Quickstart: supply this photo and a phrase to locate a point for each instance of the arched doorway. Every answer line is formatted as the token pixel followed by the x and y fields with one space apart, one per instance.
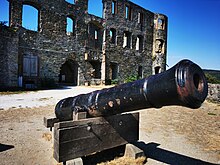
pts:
pixel 69 73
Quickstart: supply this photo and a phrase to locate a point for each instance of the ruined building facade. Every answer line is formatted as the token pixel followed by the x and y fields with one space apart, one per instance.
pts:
pixel 127 40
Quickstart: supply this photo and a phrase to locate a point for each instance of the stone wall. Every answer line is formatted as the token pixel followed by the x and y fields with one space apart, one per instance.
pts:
pixel 8 57
pixel 214 92
pixel 119 45
pixel 130 19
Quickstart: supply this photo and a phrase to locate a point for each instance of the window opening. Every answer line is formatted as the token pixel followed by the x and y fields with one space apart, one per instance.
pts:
pixel 127 40
pixel 96 35
pixel 30 13
pixel 139 43
pixel 71 1
pixel 113 7
pixel 70 27
pixel 96 71
pixel 157 70
pixel 140 72
pixel 140 17
pixel 113 71
pixel 160 24
pixel 159 46
pixel 112 36
pixel 4 8
pixel 128 13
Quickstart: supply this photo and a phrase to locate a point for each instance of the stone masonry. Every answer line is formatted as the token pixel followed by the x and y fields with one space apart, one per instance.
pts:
pixel 214 93
pixel 127 41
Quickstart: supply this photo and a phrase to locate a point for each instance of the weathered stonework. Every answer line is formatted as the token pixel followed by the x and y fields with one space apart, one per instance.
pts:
pixel 214 92
pixel 128 40
pixel 8 56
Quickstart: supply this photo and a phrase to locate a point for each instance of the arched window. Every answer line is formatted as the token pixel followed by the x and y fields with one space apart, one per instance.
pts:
pixel 30 18
pixel 71 1
pixel 4 8
pixel 70 27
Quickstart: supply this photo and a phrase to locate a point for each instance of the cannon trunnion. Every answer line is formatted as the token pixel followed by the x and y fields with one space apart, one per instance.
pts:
pixel 184 84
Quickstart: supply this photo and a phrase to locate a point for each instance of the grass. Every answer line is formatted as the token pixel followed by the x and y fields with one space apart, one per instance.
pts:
pixel 125 161
pixel 213 114
pixel 12 92
pixel 15 90
pixel 45 98
pixel 47 136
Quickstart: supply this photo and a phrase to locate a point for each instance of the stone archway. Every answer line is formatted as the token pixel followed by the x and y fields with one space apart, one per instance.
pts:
pixel 69 73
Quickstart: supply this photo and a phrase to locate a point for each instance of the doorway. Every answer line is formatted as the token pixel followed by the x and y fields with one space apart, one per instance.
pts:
pixel 69 73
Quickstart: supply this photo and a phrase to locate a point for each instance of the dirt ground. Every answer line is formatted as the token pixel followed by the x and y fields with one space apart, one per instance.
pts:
pixel 170 135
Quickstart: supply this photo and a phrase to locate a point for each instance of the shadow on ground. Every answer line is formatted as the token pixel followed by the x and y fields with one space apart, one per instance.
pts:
pixel 152 151
pixel 4 147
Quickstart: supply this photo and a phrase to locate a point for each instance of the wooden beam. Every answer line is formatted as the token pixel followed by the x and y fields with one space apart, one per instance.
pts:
pixel 49 122
pixel 75 139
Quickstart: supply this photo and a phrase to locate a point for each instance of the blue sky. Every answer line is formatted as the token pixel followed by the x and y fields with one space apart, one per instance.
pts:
pixel 193 28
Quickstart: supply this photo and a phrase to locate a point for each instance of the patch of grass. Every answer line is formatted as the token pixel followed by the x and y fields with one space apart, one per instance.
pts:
pixel 15 90
pixel 131 78
pixel 12 92
pixel 45 98
pixel 47 136
pixel 125 161
pixel 213 114
pixel 114 82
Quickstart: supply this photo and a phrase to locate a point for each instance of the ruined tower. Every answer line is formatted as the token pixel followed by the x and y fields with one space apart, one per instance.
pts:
pixel 159 54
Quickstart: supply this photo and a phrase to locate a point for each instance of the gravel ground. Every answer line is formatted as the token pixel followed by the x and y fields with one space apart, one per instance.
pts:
pixel 40 98
pixel 170 135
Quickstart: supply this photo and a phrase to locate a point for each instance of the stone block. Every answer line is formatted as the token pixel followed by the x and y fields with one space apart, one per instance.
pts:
pixel 77 161
pixel 133 151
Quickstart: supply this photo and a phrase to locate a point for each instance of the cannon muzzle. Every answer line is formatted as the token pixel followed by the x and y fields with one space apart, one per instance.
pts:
pixel 184 84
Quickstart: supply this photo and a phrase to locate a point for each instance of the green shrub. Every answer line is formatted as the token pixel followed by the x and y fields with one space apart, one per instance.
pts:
pixel 131 78
pixel 212 79
pixel 114 82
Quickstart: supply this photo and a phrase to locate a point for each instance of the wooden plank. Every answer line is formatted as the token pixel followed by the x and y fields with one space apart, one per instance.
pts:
pixel 79 115
pixel 88 136
pixel 49 122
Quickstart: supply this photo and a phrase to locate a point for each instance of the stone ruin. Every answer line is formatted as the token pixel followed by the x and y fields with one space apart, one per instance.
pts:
pixel 127 40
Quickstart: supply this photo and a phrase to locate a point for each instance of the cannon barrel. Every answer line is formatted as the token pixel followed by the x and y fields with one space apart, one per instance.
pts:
pixel 184 84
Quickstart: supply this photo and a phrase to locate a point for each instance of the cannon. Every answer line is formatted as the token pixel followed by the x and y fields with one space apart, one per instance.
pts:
pixel 94 122
pixel 184 84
